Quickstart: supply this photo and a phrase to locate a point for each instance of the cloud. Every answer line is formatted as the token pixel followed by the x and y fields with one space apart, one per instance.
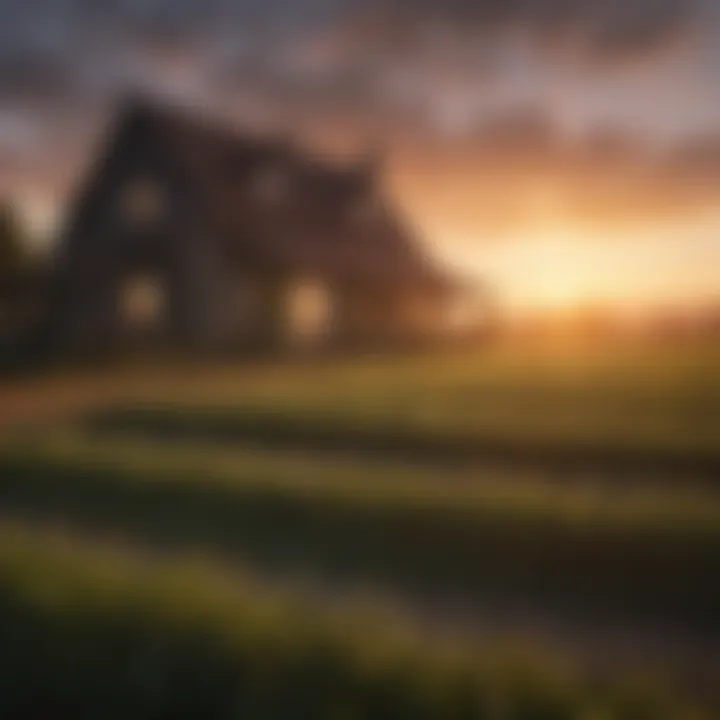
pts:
pixel 30 79
pixel 43 43
pixel 518 172
pixel 697 158
pixel 434 60
pixel 424 76
pixel 602 30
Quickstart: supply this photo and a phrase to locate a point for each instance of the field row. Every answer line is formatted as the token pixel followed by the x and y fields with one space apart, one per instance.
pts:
pixel 623 447
pixel 86 627
pixel 204 546
pixel 650 553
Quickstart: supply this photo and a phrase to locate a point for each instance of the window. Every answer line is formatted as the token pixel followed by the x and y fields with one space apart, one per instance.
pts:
pixel 142 302
pixel 309 310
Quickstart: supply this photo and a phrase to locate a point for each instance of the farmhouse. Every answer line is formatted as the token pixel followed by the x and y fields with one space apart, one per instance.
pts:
pixel 189 235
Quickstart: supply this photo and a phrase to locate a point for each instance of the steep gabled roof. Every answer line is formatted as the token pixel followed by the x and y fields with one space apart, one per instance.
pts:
pixel 320 217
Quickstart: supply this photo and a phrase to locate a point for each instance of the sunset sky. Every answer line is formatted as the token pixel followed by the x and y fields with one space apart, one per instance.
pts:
pixel 567 150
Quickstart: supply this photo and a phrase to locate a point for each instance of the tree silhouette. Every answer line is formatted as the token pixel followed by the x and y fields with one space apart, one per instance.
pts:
pixel 13 245
pixel 20 286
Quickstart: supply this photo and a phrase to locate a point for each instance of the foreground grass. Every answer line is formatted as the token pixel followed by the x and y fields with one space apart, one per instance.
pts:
pixel 94 631
pixel 652 551
pixel 91 631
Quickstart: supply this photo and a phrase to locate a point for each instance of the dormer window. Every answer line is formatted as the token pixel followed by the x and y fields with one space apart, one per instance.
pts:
pixel 143 202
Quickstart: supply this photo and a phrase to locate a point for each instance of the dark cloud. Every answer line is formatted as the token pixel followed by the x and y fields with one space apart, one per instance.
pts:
pixel 697 158
pixel 36 78
pixel 41 39
pixel 418 75
pixel 596 29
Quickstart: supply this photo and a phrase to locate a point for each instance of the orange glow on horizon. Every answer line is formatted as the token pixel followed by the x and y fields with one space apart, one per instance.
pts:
pixel 571 269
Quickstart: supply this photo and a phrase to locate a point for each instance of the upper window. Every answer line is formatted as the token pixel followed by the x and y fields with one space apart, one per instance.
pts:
pixel 143 202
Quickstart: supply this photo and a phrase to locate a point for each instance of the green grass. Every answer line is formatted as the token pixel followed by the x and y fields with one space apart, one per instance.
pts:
pixel 587 499
pixel 649 411
pixel 651 551
pixel 662 400
pixel 602 503
pixel 90 630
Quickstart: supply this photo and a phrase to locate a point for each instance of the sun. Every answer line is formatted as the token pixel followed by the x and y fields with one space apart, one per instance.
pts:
pixel 561 289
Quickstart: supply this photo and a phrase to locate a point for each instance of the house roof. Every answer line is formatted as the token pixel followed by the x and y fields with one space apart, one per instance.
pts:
pixel 270 202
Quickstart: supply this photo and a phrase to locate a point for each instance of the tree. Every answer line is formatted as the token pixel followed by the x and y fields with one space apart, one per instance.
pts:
pixel 19 286
pixel 13 246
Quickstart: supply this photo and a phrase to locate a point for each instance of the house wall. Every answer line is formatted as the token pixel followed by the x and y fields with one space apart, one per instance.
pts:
pixel 209 303
pixel 246 309
pixel 107 244
pixel 374 315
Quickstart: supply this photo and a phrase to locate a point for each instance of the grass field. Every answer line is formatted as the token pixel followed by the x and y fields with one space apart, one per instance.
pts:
pixel 571 491
pixel 182 639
